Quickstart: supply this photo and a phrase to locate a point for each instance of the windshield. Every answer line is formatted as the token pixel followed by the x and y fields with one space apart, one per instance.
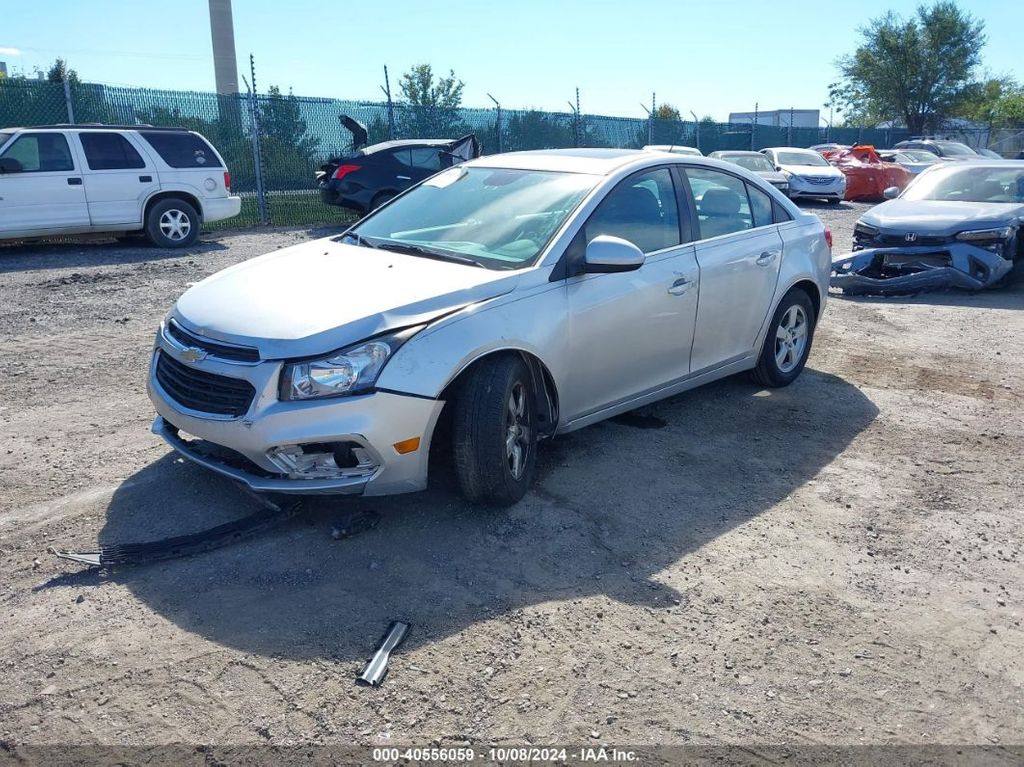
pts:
pixel 801 158
pixel 955 149
pixel 963 182
pixel 920 155
pixel 494 217
pixel 754 162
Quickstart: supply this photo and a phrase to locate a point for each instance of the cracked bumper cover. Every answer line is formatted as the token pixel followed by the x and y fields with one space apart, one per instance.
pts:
pixel 954 265
pixel 248 448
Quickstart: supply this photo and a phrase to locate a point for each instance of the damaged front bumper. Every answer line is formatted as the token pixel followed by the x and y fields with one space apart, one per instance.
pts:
pixel 911 269
pixel 376 443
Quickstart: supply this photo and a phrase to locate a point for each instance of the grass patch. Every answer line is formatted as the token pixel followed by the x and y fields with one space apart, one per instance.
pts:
pixel 297 208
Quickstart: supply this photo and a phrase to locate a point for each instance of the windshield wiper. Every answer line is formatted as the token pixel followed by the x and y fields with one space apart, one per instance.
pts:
pixel 360 240
pixel 420 250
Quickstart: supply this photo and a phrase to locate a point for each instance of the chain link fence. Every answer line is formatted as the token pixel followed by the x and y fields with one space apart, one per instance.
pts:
pixel 273 143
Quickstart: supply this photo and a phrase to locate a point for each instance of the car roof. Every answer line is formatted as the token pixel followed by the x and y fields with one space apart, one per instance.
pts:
pixel 406 142
pixel 100 126
pixel 788 149
pixel 599 162
pixel 735 153
pixel 595 161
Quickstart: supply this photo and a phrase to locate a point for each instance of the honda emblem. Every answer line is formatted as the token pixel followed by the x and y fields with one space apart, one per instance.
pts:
pixel 910 237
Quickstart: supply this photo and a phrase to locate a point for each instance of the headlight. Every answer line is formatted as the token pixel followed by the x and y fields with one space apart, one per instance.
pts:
pixel 999 233
pixel 348 371
pixel 863 230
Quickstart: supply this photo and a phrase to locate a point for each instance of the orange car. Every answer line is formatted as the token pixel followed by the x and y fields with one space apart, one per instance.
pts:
pixel 867 174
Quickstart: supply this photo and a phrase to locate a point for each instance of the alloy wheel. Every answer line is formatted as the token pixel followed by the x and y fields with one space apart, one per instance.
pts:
pixel 517 430
pixel 791 339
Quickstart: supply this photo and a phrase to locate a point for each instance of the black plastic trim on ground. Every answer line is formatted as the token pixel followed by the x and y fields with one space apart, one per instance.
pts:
pixel 185 545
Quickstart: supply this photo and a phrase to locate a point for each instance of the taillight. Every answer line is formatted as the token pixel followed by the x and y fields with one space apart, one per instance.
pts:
pixel 344 170
pixel 828 238
pixel 227 180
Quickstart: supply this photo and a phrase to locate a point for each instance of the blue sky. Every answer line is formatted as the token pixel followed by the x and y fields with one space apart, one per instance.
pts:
pixel 711 57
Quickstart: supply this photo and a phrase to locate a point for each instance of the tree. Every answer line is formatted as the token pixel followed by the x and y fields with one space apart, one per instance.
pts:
pixel 534 129
pixel 917 70
pixel 430 106
pixel 287 148
pixel 995 102
pixel 60 72
pixel 666 112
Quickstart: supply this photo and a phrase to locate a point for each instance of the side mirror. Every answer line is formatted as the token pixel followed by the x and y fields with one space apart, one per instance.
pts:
pixel 891 192
pixel 10 165
pixel 606 254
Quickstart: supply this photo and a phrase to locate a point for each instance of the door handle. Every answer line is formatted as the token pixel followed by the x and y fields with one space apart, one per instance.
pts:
pixel 680 286
pixel 767 257
pixel 145 179
pixel 74 181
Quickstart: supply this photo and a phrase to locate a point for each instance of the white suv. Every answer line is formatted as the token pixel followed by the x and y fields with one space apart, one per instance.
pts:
pixel 68 179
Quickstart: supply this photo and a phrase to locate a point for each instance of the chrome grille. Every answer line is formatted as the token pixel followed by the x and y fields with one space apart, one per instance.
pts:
pixel 213 348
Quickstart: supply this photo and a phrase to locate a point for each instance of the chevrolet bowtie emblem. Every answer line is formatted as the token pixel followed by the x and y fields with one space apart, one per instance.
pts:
pixel 193 354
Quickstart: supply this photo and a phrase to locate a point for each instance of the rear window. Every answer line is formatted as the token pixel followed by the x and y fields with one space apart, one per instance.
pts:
pixel 182 150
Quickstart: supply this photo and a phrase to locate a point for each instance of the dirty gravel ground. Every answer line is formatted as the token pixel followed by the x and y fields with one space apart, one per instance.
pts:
pixel 836 562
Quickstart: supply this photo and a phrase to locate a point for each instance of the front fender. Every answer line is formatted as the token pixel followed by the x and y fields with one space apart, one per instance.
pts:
pixel 534 322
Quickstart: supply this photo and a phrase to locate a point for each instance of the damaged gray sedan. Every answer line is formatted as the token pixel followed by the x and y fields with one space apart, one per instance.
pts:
pixel 956 225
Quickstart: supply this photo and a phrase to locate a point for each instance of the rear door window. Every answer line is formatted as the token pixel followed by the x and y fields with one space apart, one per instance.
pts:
pixel 721 201
pixel 182 150
pixel 110 151
pixel 41 152
pixel 426 158
pixel 760 206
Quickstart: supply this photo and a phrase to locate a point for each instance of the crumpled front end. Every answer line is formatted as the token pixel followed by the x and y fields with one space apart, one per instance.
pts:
pixel 912 269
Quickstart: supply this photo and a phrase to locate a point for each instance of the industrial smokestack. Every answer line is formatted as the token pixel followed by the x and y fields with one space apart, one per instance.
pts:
pixel 222 31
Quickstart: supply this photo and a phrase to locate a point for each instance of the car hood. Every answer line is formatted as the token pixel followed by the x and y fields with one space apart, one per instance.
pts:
pixel 319 296
pixel 941 218
pixel 817 171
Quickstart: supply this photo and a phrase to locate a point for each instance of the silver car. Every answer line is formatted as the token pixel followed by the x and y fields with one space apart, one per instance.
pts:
pixel 496 304
pixel 809 174
pixel 757 163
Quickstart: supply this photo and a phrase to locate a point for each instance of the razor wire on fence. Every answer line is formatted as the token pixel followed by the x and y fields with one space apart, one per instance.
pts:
pixel 273 143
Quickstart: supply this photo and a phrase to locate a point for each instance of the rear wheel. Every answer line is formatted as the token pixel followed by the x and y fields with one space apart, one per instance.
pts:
pixel 494 432
pixel 378 200
pixel 788 342
pixel 172 223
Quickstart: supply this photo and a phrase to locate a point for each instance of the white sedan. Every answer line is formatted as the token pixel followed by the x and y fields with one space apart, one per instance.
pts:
pixel 810 175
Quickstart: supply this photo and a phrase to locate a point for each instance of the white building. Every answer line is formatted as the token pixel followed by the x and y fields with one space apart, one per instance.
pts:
pixel 779 118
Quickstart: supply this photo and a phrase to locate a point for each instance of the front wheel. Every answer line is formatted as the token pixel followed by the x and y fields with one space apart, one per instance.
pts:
pixel 788 341
pixel 494 431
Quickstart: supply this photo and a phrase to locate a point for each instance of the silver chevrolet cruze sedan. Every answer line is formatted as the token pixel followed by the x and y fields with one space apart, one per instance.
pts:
pixel 497 304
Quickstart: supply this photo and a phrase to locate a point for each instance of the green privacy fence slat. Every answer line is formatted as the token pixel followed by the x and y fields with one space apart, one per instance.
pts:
pixel 297 134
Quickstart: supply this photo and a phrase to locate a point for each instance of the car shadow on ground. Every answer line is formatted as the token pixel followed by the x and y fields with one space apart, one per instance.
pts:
pixel 613 506
pixel 93 251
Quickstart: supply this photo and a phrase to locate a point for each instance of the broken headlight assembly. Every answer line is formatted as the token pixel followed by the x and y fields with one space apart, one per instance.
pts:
pixel 353 370
pixel 995 239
